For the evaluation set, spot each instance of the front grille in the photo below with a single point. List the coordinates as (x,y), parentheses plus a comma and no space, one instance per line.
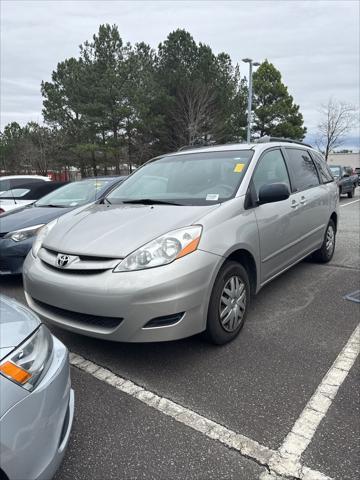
(82,318)
(79,263)
(85,258)
(68,271)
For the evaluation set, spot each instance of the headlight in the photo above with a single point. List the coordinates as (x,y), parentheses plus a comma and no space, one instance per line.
(162,250)
(24,233)
(29,362)
(41,235)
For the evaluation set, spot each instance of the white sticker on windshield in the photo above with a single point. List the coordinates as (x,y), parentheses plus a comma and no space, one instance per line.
(210,197)
(73,204)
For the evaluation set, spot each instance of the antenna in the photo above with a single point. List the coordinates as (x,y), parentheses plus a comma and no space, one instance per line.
(12,193)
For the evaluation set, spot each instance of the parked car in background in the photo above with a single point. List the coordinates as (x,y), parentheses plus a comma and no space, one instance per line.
(25,194)
(19,228)
(12,181)
(183,243)
(357,172)
(346,180)
(36,399)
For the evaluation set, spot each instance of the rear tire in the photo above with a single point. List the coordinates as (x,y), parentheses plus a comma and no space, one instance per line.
(229,304)
(326,252)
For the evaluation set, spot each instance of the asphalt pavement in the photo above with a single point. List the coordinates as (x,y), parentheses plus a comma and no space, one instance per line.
(257,386)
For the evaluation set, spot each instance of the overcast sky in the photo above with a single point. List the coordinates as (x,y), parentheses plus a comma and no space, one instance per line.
(315,44)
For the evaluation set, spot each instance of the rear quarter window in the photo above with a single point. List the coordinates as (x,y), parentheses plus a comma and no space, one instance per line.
(302,168)
(323,169)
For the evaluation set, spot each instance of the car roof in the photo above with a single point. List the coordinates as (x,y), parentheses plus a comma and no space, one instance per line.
(37,177)
(256,146)
(35,190)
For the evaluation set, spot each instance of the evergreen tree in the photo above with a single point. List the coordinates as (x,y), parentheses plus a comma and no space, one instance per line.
(275,112)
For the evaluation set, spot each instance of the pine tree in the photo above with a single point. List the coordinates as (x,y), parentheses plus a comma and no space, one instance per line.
(275,112)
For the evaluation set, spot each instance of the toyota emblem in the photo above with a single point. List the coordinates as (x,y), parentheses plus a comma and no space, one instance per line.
(62,260)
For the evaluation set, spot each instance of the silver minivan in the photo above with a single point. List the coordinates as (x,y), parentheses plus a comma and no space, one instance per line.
(181,246)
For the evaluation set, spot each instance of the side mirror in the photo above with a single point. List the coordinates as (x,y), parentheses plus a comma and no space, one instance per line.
(273,192)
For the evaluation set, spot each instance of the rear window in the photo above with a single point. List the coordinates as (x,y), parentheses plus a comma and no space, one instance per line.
(4,185)
(336,171)
(304,173)
(14,193)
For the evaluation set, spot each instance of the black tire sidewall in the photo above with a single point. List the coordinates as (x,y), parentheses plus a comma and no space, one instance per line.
(323,254)
(214,331)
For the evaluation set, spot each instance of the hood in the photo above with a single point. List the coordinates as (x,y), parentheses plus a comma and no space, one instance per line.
(29,216)
(16,324)
(114,231)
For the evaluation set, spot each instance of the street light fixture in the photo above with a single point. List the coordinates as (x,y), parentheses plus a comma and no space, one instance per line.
(251,65)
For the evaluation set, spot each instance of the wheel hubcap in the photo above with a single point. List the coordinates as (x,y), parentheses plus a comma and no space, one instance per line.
(330,239)
(232,304)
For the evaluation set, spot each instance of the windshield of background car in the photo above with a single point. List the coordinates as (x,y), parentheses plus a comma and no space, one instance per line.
(335,171)
(186,179)
(74,194)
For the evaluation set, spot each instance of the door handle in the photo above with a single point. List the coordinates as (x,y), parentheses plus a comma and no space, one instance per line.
(294,204)
(303,200)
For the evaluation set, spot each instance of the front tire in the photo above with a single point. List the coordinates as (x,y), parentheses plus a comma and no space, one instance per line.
(326,252)
(229,304)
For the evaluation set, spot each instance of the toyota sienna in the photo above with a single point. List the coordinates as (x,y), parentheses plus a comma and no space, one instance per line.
(181,246)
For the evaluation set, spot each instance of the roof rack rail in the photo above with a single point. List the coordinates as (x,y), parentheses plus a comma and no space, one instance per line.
(198,145)
(267,139)
(210,144)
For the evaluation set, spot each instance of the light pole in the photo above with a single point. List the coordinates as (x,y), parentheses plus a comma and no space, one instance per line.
(251,64)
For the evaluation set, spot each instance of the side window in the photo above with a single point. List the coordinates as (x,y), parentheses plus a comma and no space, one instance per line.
(4,185)
(270,169)
(303,170)
(324,170)
(17,182)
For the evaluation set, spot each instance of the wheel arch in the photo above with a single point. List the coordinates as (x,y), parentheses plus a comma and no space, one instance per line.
(334,218)
(247,260)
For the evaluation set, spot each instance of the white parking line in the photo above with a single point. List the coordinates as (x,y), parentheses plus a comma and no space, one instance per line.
(245,446)
(287,459)
(350,203)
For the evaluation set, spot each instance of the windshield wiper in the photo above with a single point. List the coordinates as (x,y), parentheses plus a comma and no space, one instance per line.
(150,201)
(103,200)
(51,205)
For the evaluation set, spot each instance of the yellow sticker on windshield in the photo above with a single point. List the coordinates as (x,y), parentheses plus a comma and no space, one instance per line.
(239,167)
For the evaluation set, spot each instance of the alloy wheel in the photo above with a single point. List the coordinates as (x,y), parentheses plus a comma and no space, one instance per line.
(232,304)
(330,240)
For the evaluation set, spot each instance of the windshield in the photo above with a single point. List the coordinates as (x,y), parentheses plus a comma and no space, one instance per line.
(187,179)
(74,194)
(335,171)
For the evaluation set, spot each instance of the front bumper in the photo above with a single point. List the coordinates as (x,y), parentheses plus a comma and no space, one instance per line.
(12,255)
(34,432)
(91,304)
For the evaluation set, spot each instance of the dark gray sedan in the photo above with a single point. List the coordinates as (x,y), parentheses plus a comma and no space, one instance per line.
(19,228)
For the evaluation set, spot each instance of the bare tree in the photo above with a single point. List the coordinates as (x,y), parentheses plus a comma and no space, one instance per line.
(194,113)
(337,119)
